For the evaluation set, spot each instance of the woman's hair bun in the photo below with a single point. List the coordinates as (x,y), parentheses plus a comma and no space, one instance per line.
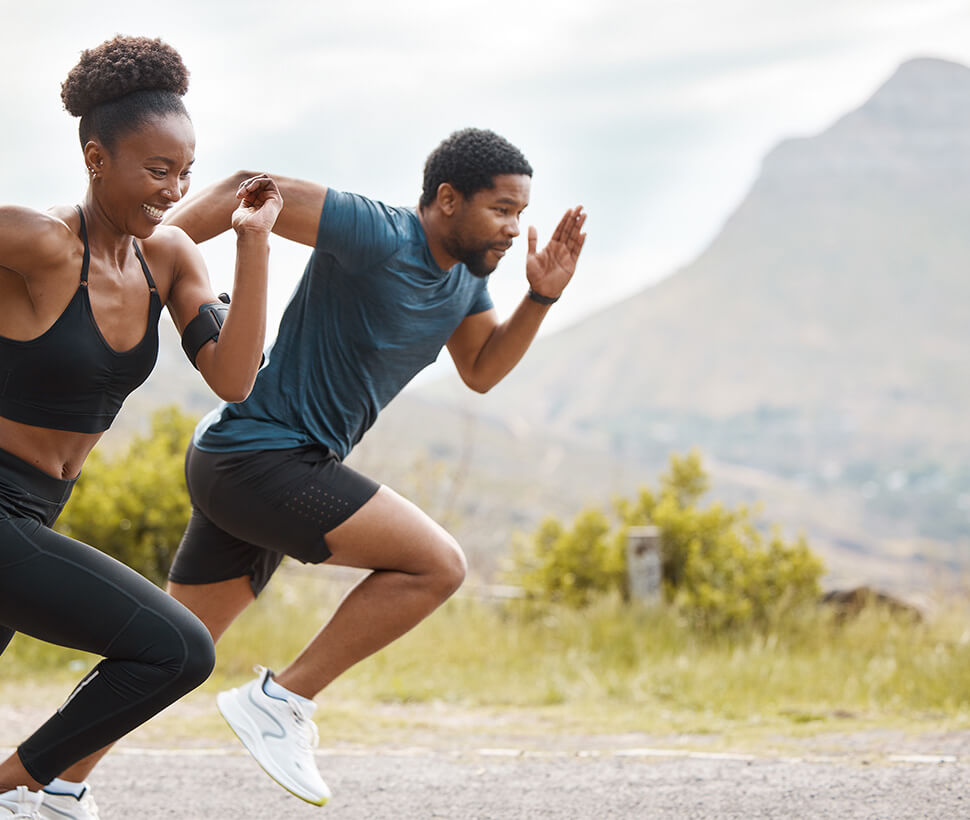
(121,66)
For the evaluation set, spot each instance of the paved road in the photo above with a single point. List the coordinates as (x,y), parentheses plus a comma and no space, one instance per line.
(488,784)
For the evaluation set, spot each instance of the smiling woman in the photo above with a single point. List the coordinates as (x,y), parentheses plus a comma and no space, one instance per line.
(81,291)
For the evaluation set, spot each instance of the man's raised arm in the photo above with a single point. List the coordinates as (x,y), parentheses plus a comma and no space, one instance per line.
(209,212)
(483,349)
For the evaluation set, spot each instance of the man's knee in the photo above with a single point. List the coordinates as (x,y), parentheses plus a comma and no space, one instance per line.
(451,567)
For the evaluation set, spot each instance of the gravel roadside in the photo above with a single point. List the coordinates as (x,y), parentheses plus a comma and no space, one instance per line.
(416,784)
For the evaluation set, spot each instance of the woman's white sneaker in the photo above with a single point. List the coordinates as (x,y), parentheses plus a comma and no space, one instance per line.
(66,806)
(279,734)
(21,803)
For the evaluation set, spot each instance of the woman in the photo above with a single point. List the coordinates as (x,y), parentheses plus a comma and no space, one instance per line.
(81,290)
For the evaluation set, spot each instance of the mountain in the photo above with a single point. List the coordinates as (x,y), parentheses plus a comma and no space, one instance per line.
(839,287)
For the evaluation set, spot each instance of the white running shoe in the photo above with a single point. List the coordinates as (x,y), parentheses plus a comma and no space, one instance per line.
(21,803)
(279,734)
(65,806)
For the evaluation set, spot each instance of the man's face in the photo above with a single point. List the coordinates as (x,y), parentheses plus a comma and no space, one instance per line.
(485,223)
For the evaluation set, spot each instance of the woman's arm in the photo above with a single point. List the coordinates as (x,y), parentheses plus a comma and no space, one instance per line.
(230,362)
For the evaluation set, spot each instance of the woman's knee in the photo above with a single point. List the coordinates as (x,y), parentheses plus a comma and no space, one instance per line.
(176,643)
(200,652)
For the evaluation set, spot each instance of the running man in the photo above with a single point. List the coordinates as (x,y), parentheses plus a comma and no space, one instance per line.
(384,290)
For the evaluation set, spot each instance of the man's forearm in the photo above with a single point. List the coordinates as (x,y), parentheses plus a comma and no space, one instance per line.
(209,212)
(507,345)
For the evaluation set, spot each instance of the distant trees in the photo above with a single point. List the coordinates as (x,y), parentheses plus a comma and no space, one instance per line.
(134,505)
(719,569)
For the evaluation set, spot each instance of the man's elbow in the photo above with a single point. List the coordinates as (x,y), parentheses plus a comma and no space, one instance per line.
(240,177)
(479,384)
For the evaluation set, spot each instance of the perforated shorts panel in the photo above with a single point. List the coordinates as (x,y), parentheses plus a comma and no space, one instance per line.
(251,508)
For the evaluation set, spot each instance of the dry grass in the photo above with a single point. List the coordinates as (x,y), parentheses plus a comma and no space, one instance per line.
(477,669)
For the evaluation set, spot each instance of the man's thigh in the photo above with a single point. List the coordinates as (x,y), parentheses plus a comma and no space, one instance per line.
(391,533)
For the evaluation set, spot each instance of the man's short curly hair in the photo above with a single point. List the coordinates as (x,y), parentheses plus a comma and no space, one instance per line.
(470,160)
(119,84)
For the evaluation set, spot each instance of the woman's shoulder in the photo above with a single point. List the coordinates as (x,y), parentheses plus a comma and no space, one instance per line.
(32,239)
(59,221)
(171,255)
(168,246)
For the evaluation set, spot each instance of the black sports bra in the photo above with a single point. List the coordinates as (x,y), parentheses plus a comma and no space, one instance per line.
(69,377)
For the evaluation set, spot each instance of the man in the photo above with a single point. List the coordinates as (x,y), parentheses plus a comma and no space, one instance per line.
(385,289)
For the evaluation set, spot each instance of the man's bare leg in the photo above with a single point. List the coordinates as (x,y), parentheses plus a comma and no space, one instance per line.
(217,605)
(416,566)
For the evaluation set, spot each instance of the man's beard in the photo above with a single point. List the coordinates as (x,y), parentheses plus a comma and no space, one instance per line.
(476,263)
(475,259)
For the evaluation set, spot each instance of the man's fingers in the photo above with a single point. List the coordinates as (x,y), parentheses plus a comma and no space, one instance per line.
(576,222)
(575,238)
(533,239)
(559,235)
(569,225)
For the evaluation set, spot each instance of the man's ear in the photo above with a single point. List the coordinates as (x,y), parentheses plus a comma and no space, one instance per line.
(448,198)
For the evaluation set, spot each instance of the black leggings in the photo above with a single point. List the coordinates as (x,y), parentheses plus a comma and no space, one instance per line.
(67,593)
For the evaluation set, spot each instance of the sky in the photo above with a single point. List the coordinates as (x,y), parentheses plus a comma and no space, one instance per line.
(654,115)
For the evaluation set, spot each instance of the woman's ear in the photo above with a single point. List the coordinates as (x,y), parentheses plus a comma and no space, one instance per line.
(94,155)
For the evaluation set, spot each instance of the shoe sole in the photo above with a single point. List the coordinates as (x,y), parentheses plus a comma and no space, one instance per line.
(249,735)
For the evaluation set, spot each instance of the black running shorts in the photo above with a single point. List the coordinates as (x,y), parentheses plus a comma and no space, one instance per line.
(250,508)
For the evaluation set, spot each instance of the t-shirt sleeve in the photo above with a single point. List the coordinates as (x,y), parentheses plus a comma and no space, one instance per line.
(482,301)
(355,230)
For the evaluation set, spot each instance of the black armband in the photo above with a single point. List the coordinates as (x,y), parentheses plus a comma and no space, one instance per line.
(205,327)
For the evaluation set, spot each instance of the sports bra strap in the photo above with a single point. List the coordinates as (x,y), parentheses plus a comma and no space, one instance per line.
(144,266)
(87,250)
(87,255)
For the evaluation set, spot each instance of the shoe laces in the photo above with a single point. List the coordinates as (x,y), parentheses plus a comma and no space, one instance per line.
(23,810)
(308,735)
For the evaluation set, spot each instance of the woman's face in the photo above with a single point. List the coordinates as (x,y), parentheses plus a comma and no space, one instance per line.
(145,174)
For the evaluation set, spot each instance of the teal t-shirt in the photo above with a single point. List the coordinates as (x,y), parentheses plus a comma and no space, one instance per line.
(371,310)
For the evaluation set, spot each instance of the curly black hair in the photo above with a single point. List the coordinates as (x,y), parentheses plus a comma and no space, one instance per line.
(119,84)
(470,160)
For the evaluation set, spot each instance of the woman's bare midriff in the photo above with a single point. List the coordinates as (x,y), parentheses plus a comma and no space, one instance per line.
(59,453)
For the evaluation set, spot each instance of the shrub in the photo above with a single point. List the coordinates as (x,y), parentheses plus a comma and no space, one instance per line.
(572,566)
(718,568)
